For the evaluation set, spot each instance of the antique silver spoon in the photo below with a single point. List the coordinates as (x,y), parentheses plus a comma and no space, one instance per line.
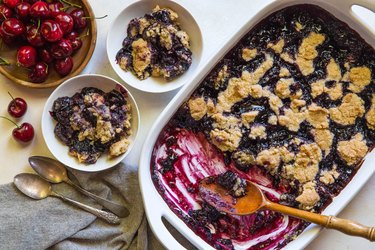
(55,172)
(37,188)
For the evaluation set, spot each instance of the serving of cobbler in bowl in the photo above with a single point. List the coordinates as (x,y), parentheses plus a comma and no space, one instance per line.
(90,122)
(290,107)
(154,46)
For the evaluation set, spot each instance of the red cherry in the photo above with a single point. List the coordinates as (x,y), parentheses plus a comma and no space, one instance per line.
(51,31)
(11,3)
(61,49)
(5,12)
(17,107)
(26,56)
(79,18)
(66,22)
(64,66)
(39,72)
(6,38)
(39,10)
(76,43)
(34,37)
(23,133)
(23,10)
(45,55)
(55,8)
(13,27)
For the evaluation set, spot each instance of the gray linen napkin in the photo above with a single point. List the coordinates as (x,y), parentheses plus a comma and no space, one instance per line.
(51,223)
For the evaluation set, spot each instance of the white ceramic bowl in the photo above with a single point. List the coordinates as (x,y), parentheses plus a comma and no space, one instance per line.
(117,33)
(69,88)
(156,208)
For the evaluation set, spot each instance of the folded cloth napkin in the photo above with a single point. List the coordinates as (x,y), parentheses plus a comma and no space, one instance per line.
(52,223)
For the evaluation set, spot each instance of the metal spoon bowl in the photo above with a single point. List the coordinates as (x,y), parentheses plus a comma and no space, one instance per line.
(35,187)
(55,172)
(254,200)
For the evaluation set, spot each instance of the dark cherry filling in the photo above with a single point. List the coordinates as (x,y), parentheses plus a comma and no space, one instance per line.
(184,152)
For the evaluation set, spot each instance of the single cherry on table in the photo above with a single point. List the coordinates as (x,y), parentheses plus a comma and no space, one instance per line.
(23,133)
(17,106)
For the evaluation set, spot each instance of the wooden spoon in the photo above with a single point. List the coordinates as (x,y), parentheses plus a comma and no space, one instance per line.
(254,200)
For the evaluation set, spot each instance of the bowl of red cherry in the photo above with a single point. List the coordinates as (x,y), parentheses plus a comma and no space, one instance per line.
(45,42)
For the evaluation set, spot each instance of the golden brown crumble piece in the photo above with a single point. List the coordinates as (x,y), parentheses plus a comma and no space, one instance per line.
(309,197)
(249,54)
(324,139)
(317,116)
(248,118)
(258,131)
(141,57)
(307,52)
(197,107)
(292,119)
(370,116)
(359,77)
(282,89)
(226,140)
(352,151)
(329,176)
(350,108)
(277,47)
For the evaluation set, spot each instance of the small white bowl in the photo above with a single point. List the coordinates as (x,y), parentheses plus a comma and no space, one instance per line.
(69,88)
(117,33)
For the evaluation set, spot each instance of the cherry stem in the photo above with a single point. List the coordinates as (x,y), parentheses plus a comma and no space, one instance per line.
(3,61)
(87,33)
(10,95)
(89,17)
(6,118)
(71,4)
(37,28)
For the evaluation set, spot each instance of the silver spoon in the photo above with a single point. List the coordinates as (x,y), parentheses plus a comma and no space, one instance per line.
(55,172)
(37,188)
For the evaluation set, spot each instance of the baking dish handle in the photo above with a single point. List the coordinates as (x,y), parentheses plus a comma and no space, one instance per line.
(369,4)
(163,234)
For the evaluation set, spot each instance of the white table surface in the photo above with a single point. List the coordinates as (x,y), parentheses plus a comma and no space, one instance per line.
(218,20)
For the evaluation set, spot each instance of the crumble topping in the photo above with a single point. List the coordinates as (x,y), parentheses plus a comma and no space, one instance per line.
(269,158)
(307,52)
(324,139)
(141,57)
(274,101)
(236,91)
(370,116)
(329,176)
(226,140)
(354,150)
(333,71)
(292,119)
(282,89)
(359,77)
(309,197)
(277,47)
(306,164)
(254,77)
(198,108)
(249,54)
(299,26)
(258,131)
(317,116)
(287,57)
(243,158)
(221,76)
(272,120)
(350,108)
(248,118)
(284,72)
(118,148)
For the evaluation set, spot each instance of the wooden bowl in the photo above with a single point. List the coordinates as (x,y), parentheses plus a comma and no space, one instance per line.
(19,74)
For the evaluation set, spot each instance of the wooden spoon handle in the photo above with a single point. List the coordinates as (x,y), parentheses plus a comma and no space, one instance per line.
(343,225)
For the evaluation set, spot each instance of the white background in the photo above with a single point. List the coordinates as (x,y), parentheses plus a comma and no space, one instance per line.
(218,20)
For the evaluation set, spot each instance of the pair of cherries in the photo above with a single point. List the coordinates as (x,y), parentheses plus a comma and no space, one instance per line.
(17,108)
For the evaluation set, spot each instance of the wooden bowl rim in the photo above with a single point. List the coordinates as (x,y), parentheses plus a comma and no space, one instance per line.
(93,35)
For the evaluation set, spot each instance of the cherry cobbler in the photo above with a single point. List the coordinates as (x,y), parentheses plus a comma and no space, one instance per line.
(291,107)
(92,122)
(155,46)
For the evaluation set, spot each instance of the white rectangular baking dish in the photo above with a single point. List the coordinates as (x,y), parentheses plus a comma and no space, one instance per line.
(155,206)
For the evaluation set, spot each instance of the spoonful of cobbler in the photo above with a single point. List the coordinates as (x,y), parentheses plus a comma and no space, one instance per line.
(242,197)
